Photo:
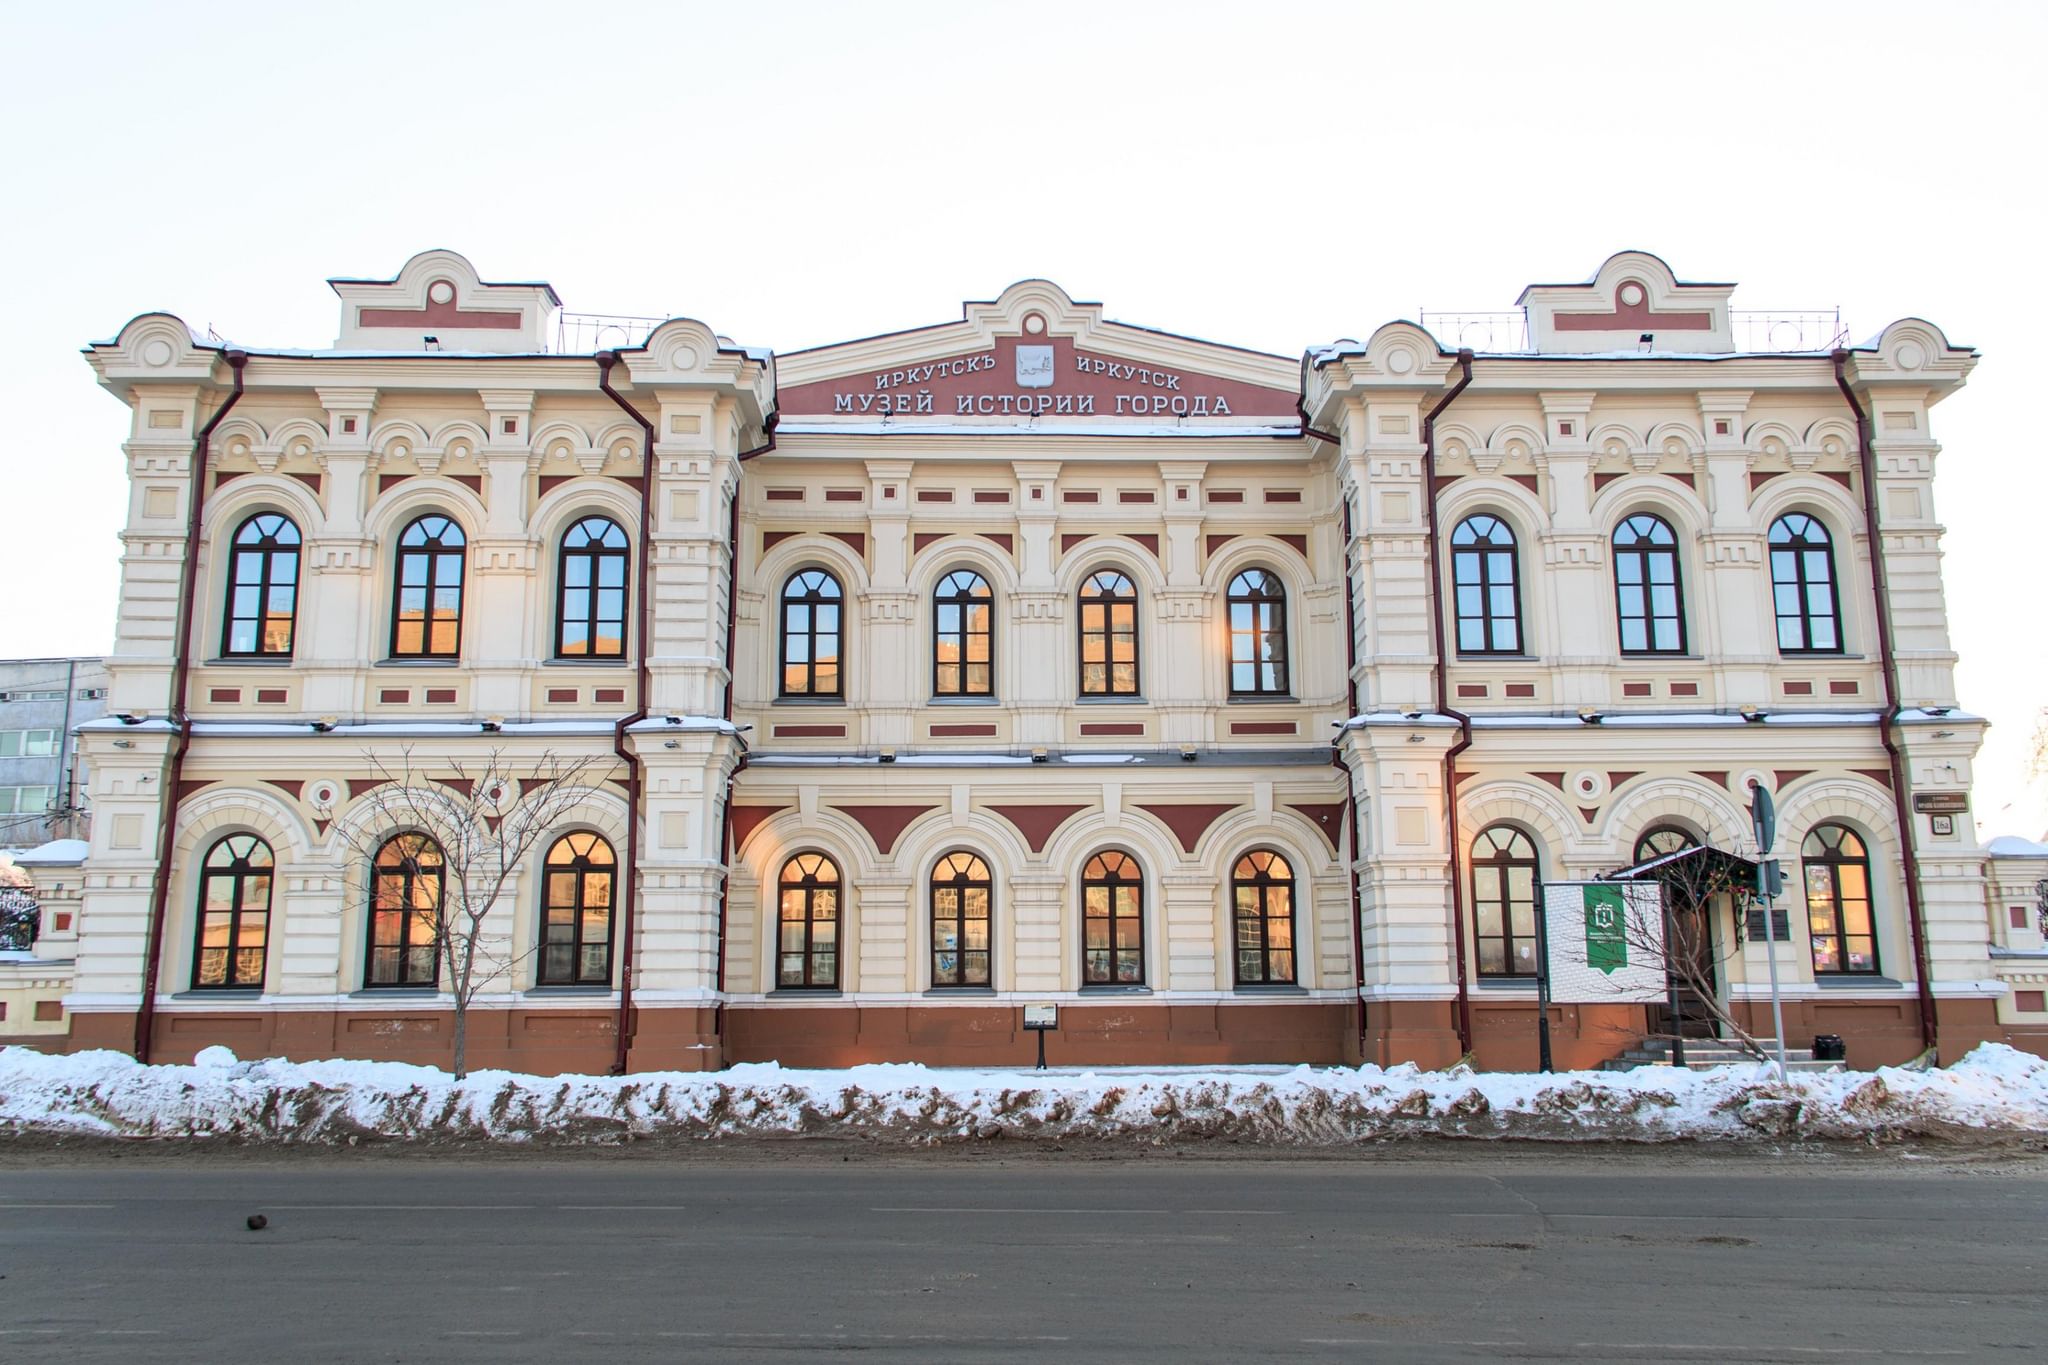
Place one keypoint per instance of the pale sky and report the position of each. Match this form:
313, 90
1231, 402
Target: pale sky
1271, 175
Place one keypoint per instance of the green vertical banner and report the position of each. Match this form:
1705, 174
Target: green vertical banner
1606, 937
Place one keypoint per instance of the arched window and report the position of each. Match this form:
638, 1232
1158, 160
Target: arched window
1112, 921
963, 636
1489, 595
1803, 586
810, 635
1262, 892
1258, 634
961, 892
576, 921
1647, 595
263, 587
1504, 901
234, 915
807, 949
405, 913
590, 605
1837, 869
426, 613
1109, 635
1659, 840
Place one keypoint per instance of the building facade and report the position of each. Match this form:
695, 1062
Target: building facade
1236, 703
42, 702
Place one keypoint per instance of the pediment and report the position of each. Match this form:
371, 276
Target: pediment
1036, 355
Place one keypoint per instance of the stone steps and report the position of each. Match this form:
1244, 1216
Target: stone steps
1710, 1054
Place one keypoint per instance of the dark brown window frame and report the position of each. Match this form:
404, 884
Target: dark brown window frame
434, 554
239, 872
1505, 860
1262, 884
1479, 552
267, 550
594, 556
1274, 599
409, 866
582, 867
964, 878
1798, 546
1644, 553
808, 884
1100, 872
1653, 843
1830, 856
810, 600
962, 599
1108, 596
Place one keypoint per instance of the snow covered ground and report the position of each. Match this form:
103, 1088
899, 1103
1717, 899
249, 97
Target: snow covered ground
1994, 1091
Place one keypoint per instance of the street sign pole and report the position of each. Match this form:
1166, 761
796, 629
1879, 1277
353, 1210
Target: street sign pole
1542, 985
1763, 819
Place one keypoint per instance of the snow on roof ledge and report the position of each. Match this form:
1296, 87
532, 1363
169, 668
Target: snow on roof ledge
2004, 846
56, 853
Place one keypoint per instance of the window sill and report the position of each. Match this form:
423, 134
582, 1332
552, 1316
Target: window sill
251, 661
1506, 983
970, 992
1651, 656
1116, 990
223, 993
587, 663
965, 701
1273, 988
555, 992
418, 993
1850, 981
453, 662
1482, 658
806, 993
1261, 699
808, 701
1133, 700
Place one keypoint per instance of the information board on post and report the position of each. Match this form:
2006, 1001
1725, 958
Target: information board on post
1606, 942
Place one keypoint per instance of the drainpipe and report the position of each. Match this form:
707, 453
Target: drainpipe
1441, 675
1915, 918
181, 670
629, 874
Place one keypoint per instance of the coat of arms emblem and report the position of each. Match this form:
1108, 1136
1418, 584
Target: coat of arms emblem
1034, 367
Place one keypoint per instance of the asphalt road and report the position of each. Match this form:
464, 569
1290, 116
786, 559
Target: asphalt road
1478, 1254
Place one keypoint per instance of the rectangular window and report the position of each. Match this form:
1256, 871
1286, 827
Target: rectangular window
25, 800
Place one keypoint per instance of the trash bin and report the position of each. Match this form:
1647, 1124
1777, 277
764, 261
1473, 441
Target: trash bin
1829, 1047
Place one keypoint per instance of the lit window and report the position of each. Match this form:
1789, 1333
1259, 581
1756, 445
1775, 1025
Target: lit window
810, 635
1112, 921
1258, 634
234, 915
1837, 868
1262, 894
405, 913
807, 946
1109, 636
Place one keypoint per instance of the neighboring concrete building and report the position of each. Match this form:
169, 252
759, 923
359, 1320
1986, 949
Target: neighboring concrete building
1235, 702
42, 702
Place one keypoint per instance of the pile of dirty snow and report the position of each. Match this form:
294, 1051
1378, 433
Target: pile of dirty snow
1994, 1091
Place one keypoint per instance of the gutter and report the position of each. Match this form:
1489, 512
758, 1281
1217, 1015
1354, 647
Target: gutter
629, 885
1439, 673
181, 673
1915, 917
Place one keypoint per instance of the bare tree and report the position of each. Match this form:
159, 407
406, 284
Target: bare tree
474, 824
1683, 943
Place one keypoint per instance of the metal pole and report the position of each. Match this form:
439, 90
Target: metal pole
1771, 957
1542, 983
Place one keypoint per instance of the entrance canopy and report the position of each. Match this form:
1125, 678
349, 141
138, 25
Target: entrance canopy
1696, 868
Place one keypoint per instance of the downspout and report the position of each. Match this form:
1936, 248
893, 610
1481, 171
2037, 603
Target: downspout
732, 609
629, 875
181, 670
1441, 675
1915, 918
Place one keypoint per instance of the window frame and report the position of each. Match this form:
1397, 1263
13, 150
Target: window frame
409, 867
1505, 861
1799, 549
808, 885
1643, 552
1099, 873
594, 555
1485, 585
964, 864
267, 550
1274, 600
238, 872
962, 601
1832, 858
1643, 850
811, 600
1105, 602
433, 554
581, 867
1262, 884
